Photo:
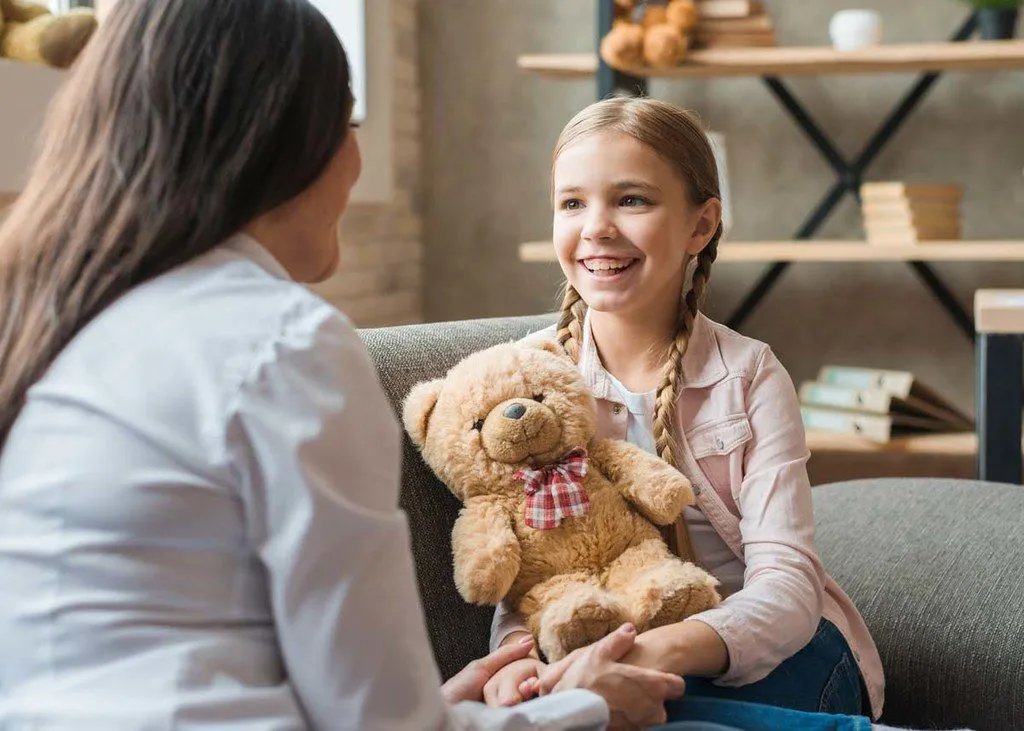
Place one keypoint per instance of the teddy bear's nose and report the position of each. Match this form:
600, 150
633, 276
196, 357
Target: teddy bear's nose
514, 411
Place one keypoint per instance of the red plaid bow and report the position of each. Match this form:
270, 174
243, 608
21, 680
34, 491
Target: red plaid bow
556, 491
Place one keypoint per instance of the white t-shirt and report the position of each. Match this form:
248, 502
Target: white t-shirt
199, 526
711, 551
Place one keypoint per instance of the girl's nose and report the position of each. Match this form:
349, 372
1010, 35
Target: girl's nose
599, 226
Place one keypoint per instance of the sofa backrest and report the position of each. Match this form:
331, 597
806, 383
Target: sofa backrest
405, 356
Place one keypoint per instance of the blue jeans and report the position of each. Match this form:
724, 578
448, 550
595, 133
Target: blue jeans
817, 689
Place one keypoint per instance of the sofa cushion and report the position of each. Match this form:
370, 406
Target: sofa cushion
405, 356
935, 567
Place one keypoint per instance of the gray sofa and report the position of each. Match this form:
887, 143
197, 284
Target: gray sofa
935, 566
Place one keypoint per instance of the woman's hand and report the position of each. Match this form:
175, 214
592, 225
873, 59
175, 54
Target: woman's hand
468, 684
514, 683
635, 696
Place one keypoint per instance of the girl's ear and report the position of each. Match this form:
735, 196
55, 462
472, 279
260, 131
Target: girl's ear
709, 217
418, 407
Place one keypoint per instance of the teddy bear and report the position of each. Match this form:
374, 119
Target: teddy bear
559, 524
30, 32
649, 32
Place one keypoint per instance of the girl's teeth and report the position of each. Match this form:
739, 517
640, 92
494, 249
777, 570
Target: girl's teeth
600, 266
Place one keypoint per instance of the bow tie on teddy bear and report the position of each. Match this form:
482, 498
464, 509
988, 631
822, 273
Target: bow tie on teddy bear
555, 491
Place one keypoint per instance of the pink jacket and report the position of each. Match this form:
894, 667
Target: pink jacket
743, 448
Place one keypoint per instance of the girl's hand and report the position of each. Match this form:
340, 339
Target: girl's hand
468, 684
514, 683
551, 674
635, 696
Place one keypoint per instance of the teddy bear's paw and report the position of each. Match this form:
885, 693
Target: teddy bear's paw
671, 592
579, 618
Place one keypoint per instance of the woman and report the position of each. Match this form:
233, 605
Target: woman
199, 475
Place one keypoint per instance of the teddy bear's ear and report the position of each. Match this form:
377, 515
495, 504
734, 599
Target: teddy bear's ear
418, 407
544, 344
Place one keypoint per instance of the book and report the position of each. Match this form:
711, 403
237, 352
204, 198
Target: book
734, 40
909, 191
752, 23
729, 8
910, 239
908, 395
912, 219
880, 401
879, 428
893, 233
924, 207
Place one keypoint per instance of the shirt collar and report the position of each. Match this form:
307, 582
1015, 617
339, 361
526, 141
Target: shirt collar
244, 244
703, 364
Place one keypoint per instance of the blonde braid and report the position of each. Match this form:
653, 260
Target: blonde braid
701, 275
665, 402
570, 322
664, 415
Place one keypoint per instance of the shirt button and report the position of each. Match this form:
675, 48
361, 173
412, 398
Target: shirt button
696, 489
617, 409
719, 443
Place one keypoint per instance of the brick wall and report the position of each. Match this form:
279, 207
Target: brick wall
380, 280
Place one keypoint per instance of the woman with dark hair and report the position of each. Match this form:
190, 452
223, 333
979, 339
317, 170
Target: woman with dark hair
199, 470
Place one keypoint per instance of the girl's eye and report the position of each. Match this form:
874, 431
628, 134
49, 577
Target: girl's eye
573, 204
634, 201
539, 398
478, 424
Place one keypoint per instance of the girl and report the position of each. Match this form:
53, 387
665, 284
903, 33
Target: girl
636, 201
199, 478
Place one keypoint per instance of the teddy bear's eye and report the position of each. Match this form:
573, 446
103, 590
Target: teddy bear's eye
478, 424
539, 398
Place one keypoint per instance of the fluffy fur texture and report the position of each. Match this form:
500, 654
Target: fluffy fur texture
577, 582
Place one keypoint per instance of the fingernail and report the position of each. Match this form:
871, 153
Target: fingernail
526, 641
628, 628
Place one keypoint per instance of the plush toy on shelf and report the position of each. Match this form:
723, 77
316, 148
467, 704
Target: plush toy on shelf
655, 33
30, 32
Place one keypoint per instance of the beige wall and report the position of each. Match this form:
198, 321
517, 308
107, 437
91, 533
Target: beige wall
488, 131
26, 90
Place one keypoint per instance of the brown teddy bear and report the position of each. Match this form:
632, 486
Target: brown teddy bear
560, 524
30, 32
649, 32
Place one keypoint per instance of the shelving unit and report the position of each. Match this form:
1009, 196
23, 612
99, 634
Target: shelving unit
929, 59
769, 64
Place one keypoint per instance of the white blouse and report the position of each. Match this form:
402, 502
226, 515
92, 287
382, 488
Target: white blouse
199, 525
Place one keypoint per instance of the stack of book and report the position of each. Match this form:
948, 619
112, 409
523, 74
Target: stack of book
902, 213
733, 24
877, 405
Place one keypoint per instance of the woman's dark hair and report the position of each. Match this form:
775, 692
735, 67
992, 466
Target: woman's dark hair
181, 122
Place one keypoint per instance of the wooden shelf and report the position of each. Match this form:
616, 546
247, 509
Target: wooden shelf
804, 60
836, 251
